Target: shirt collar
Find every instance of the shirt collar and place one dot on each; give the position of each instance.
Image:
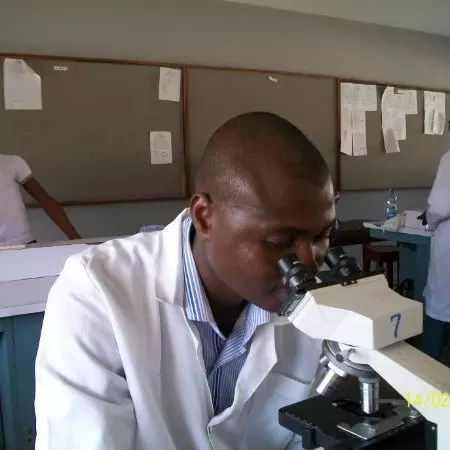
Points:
(195, 301)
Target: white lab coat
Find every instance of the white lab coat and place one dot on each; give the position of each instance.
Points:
(437, 292)
(120, 368)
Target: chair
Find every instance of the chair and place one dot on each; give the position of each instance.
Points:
(383, 255)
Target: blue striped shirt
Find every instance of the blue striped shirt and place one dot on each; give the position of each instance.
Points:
(223, 357)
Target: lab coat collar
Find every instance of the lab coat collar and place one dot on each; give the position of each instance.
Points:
(169, 284)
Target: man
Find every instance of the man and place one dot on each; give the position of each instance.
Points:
(14, 226)
(169, 340)
(436, 331)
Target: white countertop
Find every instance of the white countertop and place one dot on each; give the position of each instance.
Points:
(90, 241)
(28, 272)
(24, 296)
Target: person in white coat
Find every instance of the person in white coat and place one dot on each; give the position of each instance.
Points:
(436, 331)
(170, 340)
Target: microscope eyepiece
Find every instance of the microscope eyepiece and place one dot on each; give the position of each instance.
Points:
(297, 277)
(294, 273)
(342, 266)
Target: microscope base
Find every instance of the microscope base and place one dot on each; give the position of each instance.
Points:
(339, 426)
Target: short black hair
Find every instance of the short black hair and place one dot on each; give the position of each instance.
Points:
(257, 138)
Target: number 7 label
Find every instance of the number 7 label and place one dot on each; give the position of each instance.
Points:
(395, 319)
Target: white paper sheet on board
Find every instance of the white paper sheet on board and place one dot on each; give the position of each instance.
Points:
(439, 116)
(428, 109)
(387, 109)
(410, 100)
(347, 91)
(346, 130)
(21, 86)
(400, 116)
(359, 132)
(347, 94)
(388, 122)
(169, 84)
(160, 147)
(356, 99)
(390, 141)
(366, 97)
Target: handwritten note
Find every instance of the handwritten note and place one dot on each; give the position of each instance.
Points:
(21, 86)
(160, 147)
(169, 84)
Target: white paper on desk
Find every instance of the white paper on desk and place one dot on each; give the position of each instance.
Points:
(365, 97)
(160, 147)
(21, 86)
(169, 84)
(429, 108)
(388, 121)
(410, 100)
(359, 132)
(439, 115)
(400, 116)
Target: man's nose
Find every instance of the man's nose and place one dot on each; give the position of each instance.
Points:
(306, 254)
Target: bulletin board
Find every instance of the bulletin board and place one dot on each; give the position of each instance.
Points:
(414, 166)
(90, 141)
(217, 95)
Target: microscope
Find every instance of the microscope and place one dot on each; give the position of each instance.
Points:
(363, 325)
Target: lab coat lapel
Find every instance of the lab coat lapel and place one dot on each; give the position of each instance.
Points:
(261, 359)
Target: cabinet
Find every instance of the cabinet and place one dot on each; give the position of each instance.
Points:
(19, 340)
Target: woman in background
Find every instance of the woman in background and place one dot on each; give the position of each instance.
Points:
(437, 293)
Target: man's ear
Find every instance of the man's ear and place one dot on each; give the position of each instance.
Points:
(202, 211)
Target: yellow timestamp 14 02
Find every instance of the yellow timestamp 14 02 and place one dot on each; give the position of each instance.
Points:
(432, 399)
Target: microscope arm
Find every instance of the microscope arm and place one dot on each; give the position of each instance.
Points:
(412, 373)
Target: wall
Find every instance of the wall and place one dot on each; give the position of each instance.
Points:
(219, 33)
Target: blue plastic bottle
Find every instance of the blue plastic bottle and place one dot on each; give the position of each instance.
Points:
(391, 204)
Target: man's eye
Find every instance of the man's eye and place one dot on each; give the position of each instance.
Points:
(282, 244)
(322, 238)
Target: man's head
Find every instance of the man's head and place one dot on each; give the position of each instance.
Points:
(262, 191)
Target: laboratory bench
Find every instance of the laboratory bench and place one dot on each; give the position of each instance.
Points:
(26, 276)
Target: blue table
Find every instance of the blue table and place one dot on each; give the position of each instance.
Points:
(416, 249)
